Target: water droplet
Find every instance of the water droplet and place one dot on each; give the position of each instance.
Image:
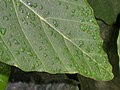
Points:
(51, 33)
(3, 31)
(73, 10)
(32, 4)
(94, 37)
(66, 7)
(40, 48)
(41, 7)
(33, 66)
(21, 10)
(9, 43)
(35, 5)
(29, 3)
(91, 20)
(11, 9)
(22, 49)
(24, 22)
(105, 61)
(29, 53)
(47, 13)
(17, 52)
(85, 71)
(45, 55)
(45, 41)
(16, 42)
(81, 20)
(19, 4)
(10, 27)
(82, 9)
(1, 52)
(11, 35)
(55, 23)
(88, 49)
(81, 43)
(5, 18)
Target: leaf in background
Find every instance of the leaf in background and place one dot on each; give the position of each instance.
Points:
(106, 10)
(119, 47)
(4, 75)
(55, 36)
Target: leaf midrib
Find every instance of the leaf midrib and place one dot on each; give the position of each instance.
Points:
(63, 35)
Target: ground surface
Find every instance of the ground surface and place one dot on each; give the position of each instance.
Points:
(20, 80)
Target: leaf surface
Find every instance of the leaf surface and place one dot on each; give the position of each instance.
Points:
(106, 10)
(55, 36)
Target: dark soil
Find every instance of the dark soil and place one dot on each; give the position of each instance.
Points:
(20, 80)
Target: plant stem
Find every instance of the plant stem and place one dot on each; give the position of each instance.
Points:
(4, 75)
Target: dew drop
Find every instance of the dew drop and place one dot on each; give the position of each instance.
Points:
(51, 33)
(16, 42)
(45, 55)
(81, 20)
(11, 35)
(66, 7)
(73, 10)
(94, 37)
(19, 4)
(55, 23)
(21, 10)
(91, 20)
(88, 49)
(35, 5)
(9, 43)
(82, 8)
(24, 22)
(37, 64)
(40, 48)
(29, 3)
(5, 18)
(17, 52)
(3, 31)
(32, 4)
(29, 53)
(47, 13)
(41, 7)
(22, 49)
(85, 71)
(11, 9)
(81, 43)
(33, 66)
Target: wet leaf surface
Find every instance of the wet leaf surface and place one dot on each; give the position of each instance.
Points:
(55, 36)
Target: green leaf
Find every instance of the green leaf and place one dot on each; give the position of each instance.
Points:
(106, 10)
(119, 47)
(55, 36)
(4, 75)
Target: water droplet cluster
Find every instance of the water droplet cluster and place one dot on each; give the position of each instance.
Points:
(55, 36)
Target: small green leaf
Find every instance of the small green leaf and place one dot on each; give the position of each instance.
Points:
(106, 10)
(55, 36)
(4, 75)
